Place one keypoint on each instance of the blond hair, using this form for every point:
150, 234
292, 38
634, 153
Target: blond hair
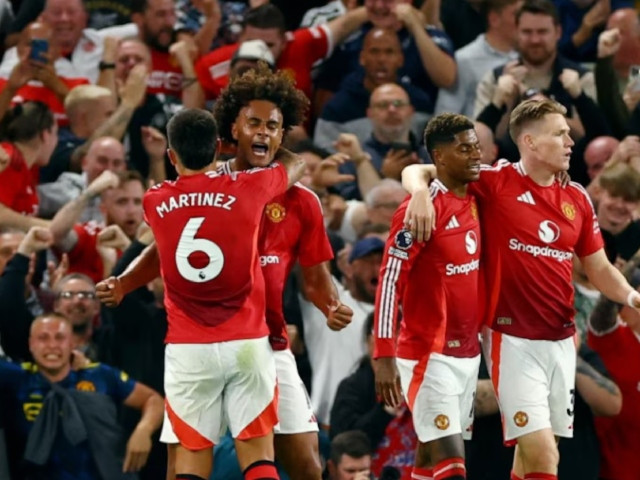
83, 93
531, 111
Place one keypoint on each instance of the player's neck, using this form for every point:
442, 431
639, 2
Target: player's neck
187, 172
239, 164
538, 173
459, 189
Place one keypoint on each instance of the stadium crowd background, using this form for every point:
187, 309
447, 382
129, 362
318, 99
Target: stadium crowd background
109, 75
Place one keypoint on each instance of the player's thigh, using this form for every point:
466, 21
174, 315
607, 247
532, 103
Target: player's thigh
433, 387
520, 376
250, 397
563, 379
538, 451
194, 384
295, 414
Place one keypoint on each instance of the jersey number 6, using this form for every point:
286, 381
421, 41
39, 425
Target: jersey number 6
188, 245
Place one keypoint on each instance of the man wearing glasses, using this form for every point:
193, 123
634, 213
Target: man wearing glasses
76, 300
392, 145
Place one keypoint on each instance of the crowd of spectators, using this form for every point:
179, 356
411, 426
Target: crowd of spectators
86, 91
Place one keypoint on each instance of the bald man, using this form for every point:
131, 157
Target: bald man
597, 153
105, 153
626, 20
26, 387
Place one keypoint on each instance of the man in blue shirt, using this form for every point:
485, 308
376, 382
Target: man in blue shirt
26, 389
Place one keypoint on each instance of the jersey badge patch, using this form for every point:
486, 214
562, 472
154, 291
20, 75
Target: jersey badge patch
474, 211
520, 419
404, 240
569, 210
275, 212
85, 386
442, 422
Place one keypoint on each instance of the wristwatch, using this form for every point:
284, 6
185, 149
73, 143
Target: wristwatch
106, 65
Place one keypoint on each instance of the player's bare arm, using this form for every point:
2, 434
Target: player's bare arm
293, 164
420, 217
609, 280
140, 272
318, 287
388, 381
605, 313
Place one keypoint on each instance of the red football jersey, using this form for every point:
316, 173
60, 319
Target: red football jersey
292, 229
38, 92
166, 75
531, 233
17, 185
206, 230
434, 283
619, 435
303, 48
84, 256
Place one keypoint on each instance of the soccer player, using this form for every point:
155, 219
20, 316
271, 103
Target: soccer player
532, 227
254, 112
219, 367
435, 284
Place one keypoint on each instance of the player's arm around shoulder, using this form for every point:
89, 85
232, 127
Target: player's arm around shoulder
292, 163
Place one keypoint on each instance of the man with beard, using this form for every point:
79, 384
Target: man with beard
155, 20
540, 68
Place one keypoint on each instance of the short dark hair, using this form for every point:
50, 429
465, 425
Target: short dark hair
354, 443
127, 176
443, 128
489, 6
138, 6
539, 7
193, 135
260, 84
26, 121
265, 16
531, 111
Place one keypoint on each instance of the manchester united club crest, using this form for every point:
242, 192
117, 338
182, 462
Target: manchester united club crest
521, 419
474, 211
85, 386
442, 422
275, 212
569, 210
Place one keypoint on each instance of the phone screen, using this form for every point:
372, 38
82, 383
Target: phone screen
39, 49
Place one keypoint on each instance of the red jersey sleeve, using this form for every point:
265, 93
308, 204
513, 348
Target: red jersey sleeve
314, 243
84, 256
590, 239
313, 43
399, 255
212, 70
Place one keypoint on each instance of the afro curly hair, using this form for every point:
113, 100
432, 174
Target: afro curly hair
260, 84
